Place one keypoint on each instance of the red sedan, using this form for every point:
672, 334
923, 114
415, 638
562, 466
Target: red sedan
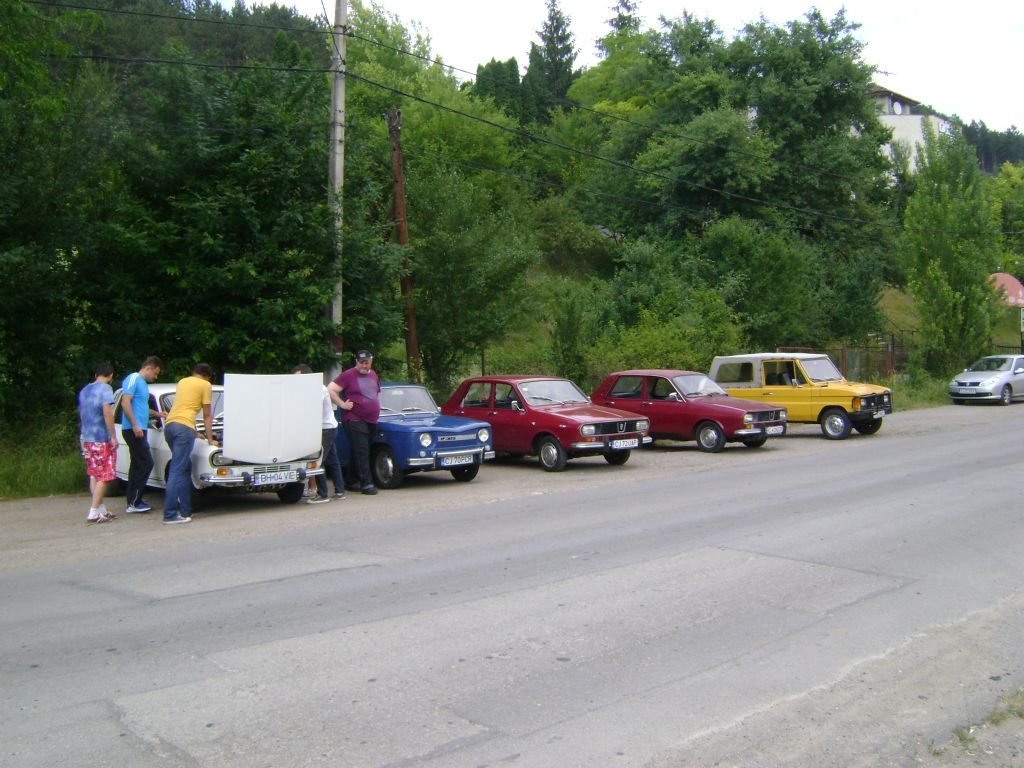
685, 405
549, 417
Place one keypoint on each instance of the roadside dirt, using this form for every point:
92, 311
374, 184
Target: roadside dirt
903, 709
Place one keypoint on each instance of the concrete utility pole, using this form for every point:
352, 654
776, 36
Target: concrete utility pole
412, 343
337, 165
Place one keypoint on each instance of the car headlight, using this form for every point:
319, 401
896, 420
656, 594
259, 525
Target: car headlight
218, 459
990, 382
643, 425
748, 418
587, 430
426, 439
783, 415
484, 435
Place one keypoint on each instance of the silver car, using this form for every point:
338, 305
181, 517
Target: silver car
996, 378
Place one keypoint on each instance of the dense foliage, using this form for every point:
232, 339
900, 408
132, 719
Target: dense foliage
165, 191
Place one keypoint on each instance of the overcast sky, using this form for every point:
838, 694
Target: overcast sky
962, 59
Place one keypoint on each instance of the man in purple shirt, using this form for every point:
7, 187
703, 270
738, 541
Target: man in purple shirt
357, 392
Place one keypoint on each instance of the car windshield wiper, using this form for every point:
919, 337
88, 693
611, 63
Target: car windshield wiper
385, 408
414, 409
549, 399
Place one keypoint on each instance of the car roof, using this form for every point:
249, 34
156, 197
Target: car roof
668, 372
775, 356
516, 379
163, 387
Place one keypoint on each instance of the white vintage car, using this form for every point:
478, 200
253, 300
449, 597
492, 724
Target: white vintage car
268, 427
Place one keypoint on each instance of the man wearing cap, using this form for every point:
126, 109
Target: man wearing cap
357, 392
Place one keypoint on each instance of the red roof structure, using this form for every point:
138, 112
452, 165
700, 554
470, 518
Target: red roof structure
1011, 286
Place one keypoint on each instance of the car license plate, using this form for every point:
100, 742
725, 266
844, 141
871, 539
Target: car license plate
273, 478
774, 430
630, 443
455, 461
964, 391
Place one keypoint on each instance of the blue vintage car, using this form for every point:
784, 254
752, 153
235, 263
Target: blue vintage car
413, 436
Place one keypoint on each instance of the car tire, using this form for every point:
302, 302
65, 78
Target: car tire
710, 437
290, 494
835, 424
551, 454
466, 473
868, 427
386, 472
756, 442
617, 458
1006, 395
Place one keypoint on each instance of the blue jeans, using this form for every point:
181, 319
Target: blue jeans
178, 493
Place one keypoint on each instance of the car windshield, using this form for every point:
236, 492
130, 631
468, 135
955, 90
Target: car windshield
992, 364
406, 400
696, 384
821, 369
552, 392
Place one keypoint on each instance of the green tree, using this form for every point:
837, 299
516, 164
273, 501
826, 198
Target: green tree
550, 72
1008, 188
951, 239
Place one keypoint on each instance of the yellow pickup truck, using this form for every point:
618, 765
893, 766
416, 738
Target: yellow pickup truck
809, 387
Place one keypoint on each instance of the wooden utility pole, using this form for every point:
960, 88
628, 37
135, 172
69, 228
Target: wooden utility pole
412, 343
337, 167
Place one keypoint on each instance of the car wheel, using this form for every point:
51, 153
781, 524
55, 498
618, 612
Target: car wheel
291, 493
617, 458
868, 427
710, 437
466, 473
756, 442
386, 472
1006, 396
835, 424
551, 454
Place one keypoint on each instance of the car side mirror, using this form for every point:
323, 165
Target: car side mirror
517, 407
674, 397
1018, 370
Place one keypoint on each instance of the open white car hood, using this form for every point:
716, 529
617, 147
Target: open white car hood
271, 419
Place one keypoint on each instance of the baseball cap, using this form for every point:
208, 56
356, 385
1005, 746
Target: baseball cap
364, 354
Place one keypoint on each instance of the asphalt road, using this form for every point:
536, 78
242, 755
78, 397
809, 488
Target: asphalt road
810, 603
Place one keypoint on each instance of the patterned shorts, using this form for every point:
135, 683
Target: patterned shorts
100, 460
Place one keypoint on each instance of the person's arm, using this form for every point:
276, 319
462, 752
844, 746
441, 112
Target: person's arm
208, 424
108, 416
335, 391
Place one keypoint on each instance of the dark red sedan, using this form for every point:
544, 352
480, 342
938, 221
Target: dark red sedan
685, 405
549, 417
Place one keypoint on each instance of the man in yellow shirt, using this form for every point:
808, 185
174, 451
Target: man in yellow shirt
192, 394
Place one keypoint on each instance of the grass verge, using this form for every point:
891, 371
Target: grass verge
43, 462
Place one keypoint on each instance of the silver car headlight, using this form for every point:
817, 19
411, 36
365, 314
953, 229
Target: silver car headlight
990, 382
483, 435
748, 418
218, 459
426, 439
588, 430
643, 425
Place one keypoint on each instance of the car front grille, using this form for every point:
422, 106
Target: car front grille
871, 402
616, 427
763, 416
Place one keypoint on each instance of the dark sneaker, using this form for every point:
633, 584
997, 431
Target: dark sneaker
318, 500
369, 490
339, 494
177, 519
140, 507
